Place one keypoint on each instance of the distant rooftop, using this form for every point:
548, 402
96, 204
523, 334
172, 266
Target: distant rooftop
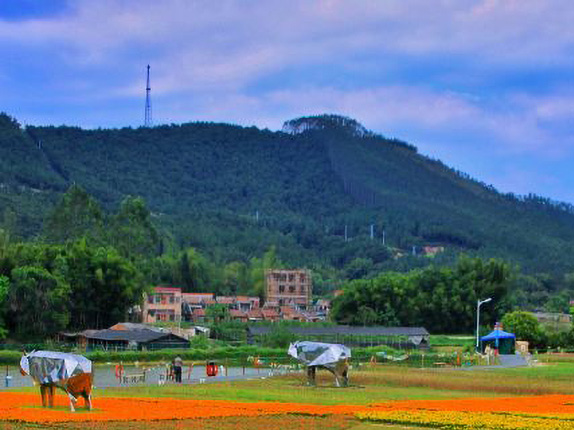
346, 330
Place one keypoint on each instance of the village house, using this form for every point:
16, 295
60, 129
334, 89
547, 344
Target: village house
164, 304
289, 287
288, 298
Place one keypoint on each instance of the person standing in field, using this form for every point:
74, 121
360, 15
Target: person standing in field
177, 368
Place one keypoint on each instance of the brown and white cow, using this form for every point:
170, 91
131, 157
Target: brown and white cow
71, 373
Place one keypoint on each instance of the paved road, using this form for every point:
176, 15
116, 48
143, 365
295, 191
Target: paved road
506, 361
104, 375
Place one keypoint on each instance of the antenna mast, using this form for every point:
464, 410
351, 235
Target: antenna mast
148, 120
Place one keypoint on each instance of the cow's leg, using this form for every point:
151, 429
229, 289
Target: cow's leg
44, 394
334, 372
51, 391
346, 377
88, 398
73, 401
311, 375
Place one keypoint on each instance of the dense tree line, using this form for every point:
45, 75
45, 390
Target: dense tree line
47, 288
442, 299
90, 269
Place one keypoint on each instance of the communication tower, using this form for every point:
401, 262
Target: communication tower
147, 120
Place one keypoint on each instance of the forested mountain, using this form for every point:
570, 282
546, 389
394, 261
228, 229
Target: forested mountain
233, 192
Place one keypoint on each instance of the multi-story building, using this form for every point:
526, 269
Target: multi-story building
164, 304
288, 288
171, 304
288, 297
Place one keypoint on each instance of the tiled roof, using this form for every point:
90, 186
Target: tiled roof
246, 299
255, 314
350, 330
167, 290
136, 326
270, 313
143, 335
288, 310
236, 313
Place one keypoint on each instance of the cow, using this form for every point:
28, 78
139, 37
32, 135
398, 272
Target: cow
69, 372
329, 356
340, 371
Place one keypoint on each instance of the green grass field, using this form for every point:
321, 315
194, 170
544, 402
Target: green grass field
378, 384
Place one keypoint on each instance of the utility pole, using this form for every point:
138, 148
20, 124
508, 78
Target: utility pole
478, 303
346, 235
372, 231
384, 237
148, 119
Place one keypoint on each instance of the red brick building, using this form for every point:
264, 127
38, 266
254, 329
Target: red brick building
288, 288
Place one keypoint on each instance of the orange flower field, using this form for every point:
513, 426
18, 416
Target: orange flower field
549, 404
25, 407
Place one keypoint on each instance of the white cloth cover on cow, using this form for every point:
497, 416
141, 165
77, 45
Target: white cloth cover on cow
49, 367
318, 353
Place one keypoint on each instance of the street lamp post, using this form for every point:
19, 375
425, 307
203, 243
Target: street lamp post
478, 303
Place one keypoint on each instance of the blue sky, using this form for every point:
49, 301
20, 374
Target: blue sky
486, 86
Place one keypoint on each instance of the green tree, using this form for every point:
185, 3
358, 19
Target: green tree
4, 243
358, 268
76, 215
441, 299
235, 278
524, 325
132, 231
4, 290
217, 313
10, 223
193, 271
259, 267
104, 286
39, 302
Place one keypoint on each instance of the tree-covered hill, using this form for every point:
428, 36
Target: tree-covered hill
234, 192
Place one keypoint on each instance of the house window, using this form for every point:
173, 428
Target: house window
281, 288
171, 299
157, 299
291, 289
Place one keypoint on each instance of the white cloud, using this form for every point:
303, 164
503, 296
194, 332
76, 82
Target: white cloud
208, 59
227, 41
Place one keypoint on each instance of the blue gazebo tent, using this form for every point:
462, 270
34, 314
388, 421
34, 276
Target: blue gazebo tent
500, 340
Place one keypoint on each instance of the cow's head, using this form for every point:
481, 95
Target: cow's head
24, 363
